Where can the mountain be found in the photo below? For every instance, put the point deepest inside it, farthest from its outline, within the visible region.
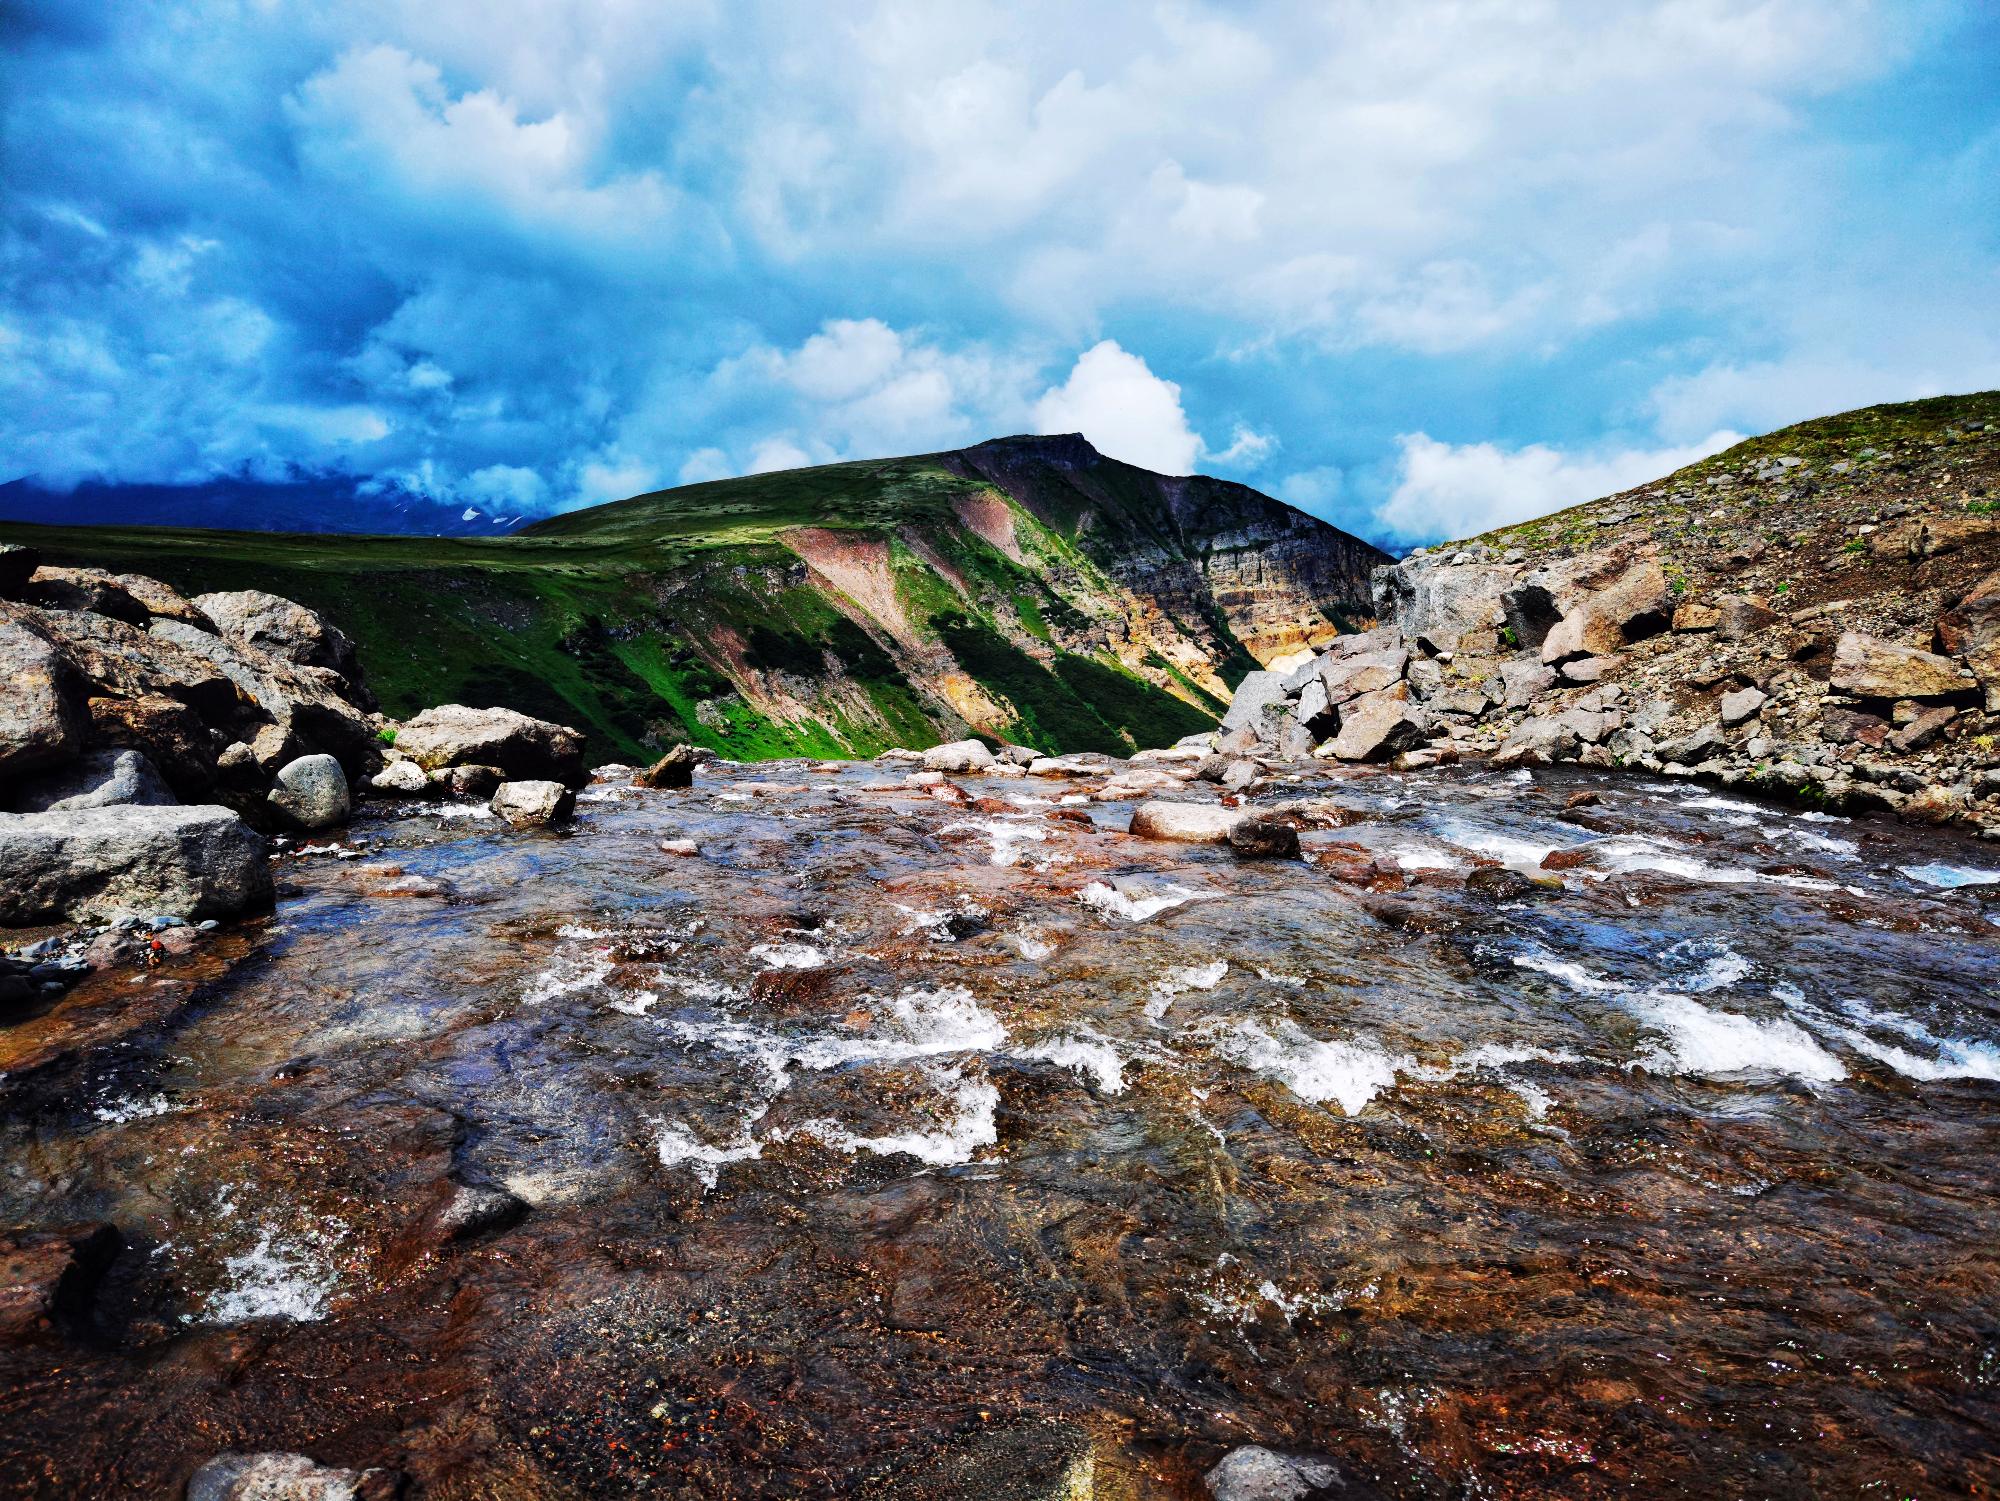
(1028, 588)
(324, 503)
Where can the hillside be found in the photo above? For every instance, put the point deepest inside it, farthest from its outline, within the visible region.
(1028, 588)
(1815, 612)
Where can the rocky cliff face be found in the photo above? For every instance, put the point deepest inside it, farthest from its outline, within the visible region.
(1815, 613)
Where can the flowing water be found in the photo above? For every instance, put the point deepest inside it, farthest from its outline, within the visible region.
(892, 1141)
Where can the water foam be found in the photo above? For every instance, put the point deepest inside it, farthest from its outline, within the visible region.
(973, 1125)
(1136, 904)
(1948, 877)
(1179, 981)
(1088, 1053)
(1350, 1074)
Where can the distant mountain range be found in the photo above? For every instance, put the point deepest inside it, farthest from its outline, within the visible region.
(326, 504)
(1029, 588)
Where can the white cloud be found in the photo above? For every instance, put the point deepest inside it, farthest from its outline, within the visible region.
(1125, 410)
(1314, 490)
(777, 453)
(1458, 490)
(706, 464)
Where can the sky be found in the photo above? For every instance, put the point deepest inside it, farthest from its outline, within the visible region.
(1418, 266)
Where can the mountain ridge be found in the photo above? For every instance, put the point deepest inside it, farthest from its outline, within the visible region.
(1027, 588)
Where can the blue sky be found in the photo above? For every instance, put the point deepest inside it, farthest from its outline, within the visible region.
(1420, 266)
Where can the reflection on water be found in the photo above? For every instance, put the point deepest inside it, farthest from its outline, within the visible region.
(883, 1141)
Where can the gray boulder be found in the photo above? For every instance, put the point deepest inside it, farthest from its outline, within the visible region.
(1871, 668)
(1254, 1473)
(1741, 615)
(533, 804)
(1436, 606)
(100, 863)
(280, 628)
(312, 793)
(1258, 692)
(1539, 741)
(313, 704)
(85, 590)
(41, 717)
(97, 779)
(1523, 679)
(454, 735)
(1349, 677)
(1377, 726)
(1742, 705)
(966, 757)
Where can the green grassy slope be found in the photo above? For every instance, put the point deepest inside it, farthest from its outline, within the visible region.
(687, 615)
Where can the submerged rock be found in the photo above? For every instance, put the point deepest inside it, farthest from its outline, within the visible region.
(1254, 1473)
(99, 863)
(476, 1208)
(287, 1477)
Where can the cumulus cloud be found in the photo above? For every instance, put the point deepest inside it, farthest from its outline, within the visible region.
(1460, 489)
(1125, 410)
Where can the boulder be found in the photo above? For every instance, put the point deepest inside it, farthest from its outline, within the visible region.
(1018, 755)
(1742, 705)
(1868, 667)
(1523, 679)
(454, 735)
(100, 863)
(471, 781)
(98, 779)
(1436, 605)
(312, 793)
(286, 1477)
(1695, 747)
(167, 732)
(1539, 741)
(1923, 729)
(308, 702)
(964, 757)
(1970, 630)
(41, 711)
(1258, 692)
(401, 779)
(1843, 726)
(1314, 708)
(1695, 617)
(50, 1278)
(533, 804)
(1586, 669)
(1630, 603)
(281, 628)
(88, 590)
(1348, 677)
(163, 601)
(674, 769)
(1253, 1473)
(17, 566)
(1185, 823)
(1741, 615)
(1377, 726)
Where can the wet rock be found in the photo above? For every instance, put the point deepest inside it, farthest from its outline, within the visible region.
(1264, 839)
(519, 746)
(1871, 668)
(287, 1477)
(17, 566)
(1254, 1473)
(401, 778)
(1185, 823)
(1742, 615)
(1743, 705)
(533, 804)
(1934, 804)
(96, 863)
(280, 628)
(1502, 883)
(964, 757)
(97, 779)
(1030, 1461)
(682, 847)
(312, 793)
(41, 718)
(477, 1209)
(674, 769)
(1377, 726)
(48, 1279)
